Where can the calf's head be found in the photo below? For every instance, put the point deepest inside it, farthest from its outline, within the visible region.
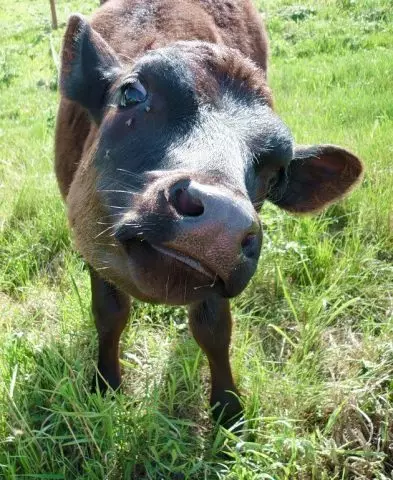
(184, 149)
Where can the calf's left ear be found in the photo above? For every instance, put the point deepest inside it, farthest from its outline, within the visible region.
(317, 176)
(87, 64)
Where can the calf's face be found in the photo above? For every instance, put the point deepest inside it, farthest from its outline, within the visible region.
(184, 148)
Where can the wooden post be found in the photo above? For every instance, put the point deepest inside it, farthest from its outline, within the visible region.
(54, 16)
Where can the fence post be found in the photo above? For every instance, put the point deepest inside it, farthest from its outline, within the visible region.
(54, 16)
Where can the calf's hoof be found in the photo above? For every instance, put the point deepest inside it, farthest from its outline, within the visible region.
(101, 384)
(227, 410)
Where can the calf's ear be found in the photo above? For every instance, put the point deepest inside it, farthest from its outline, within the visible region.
(88, 65)
(317, 176)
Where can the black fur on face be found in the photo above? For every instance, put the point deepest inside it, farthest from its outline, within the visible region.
(228, 136)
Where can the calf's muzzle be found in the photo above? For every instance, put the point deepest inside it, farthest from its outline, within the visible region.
(216, 231)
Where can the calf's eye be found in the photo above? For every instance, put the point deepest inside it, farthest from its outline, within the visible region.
(132, 94)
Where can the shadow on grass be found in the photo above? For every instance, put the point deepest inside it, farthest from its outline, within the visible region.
(57, 429)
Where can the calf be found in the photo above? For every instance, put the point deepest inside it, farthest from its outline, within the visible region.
(167, 146)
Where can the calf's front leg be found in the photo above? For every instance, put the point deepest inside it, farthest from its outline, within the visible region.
(111, 309)
(211, 326)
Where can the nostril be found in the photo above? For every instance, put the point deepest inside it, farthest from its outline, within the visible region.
(186, 204)
(250, 245)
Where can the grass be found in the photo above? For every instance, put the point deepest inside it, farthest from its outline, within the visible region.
(313, 346)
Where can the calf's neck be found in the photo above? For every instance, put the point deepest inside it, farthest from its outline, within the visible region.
(167, 146)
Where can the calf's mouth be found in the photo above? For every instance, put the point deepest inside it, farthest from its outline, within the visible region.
(167, 254)
(187, 260)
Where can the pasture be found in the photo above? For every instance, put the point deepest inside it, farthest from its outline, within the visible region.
(312, 350)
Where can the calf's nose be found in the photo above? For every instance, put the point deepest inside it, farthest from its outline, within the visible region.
(191, 199)
(218, 228)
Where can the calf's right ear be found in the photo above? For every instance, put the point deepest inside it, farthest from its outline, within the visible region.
(87, 65)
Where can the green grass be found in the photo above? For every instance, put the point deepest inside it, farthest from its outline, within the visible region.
(313, 344)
